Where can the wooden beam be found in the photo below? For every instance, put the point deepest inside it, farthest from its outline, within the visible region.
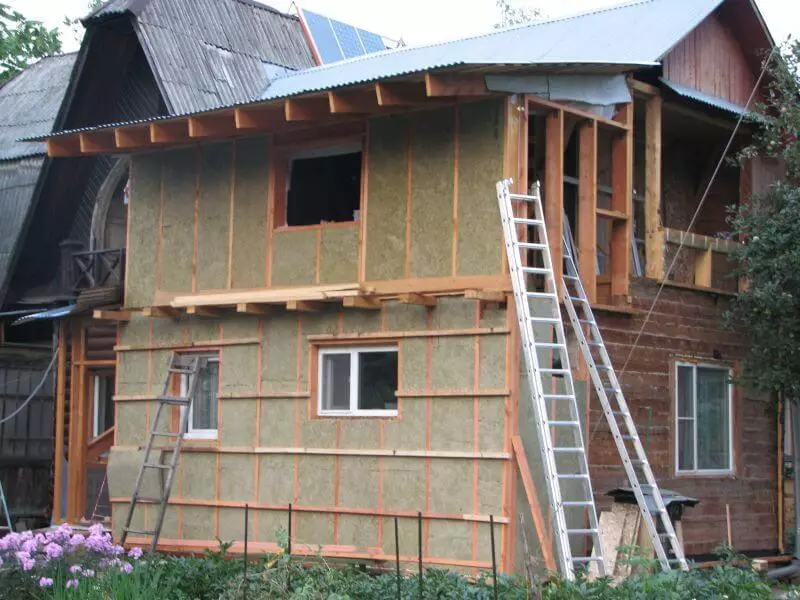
(304, 305)
(540, 524)
(622, 201)
(307, 109)
(587, 208)
(168, 132)
(554, 188)
(259, 118)
(204, 311)
(654, 235)
(65, 145)
(161, 312)
(212, 126)
(417, 299)
(401, 93)
(486, 296)
(112, 315)
(454, 84)
(254, 309)
(644, 88)
(703, 267)
(547, 106)
(353, 102)
(61, 402)
(614, 215)
(132, 137)
(98, 141)
(361, 302)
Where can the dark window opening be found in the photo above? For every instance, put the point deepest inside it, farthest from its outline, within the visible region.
(324, 189)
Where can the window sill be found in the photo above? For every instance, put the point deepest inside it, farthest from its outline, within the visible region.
(333, 225)
(705, 475)
(201, 436)
(376, 414)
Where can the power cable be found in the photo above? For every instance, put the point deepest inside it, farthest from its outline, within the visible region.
(35, 390)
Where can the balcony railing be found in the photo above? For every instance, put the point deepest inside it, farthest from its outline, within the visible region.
(98, 268)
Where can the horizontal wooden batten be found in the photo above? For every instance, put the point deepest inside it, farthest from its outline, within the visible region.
(187, 345)
(112, 315)
(391, 335)
(548, 106)
(453, 394)
(615, 215)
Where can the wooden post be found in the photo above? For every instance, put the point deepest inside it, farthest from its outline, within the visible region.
(554, 187)
(587, 208)
(622, 202)
(61, 398)
(654, 234)
(703, 269)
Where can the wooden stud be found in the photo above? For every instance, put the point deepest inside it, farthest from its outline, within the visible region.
(132, 137)
(587, 208)
(703, 269)
(304, 305)
(254, 309)
(203, 311)
(161, 312)
(61, 402)
(259, 118)
(99, 141)
(112, 315)
(547, 107)
(654, 237)
(353, 102)
(65, 145)
(622, 201)
(169, 132)
(614, 215)
(361, 302)
(306, 109)
(212, 126)
(454, 84)
(486, 296)
(400, 93)
(554, 188)
(644, 88)
(417, 299)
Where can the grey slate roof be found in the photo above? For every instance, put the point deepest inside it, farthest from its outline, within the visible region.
(29, 104)
(211, 53)
(618, 38)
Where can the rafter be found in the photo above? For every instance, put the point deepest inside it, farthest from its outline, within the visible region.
(132, 137)
(169, 132)
(63, 146)
(259, 118)
(353, 102)
(98, 141)
(204, 311)
(212, 126)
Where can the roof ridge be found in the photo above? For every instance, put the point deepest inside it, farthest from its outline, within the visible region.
(272, 9)
(498, 31)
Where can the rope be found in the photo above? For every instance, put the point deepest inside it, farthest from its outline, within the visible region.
(35, 390)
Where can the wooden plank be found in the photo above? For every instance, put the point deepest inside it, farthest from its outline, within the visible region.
(212, 126)
(486, 296)
(614, 215)
(654, 238)
(548, 106)
(307, 109)
(361, 302)
(61, 402)
(644, 88)
(187, 345)
(169, 132)
(254, 309)
(703, 269)
(259, 118)
(417, 299)
(204, 311)
(455, 84)
(554, 188)
(421, 333)
(64, 145)
(304, 305)
(542, 531)
(269, 296)
(401, 93)
(587, 208)
(161, 312)
(112, 315)
(622, 201)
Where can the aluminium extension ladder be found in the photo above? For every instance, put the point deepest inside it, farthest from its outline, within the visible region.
(608, 390)
(554, 404)
(182, 366)
(9, 526)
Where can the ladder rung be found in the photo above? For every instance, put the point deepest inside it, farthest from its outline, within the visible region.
(582, 531)
(554, 371)
(576, 299)
(572, 476)
(149, 499)
(540, 295)
(544, 320)
(527, 221)
(570, 278)
(156, 466)
(139, 531)
(532, 245)
(536, 270)
(578, 503)
(557, 396)
(548, 345)
(568, 450)
(178, 400)
(564, 423)
(585, 559)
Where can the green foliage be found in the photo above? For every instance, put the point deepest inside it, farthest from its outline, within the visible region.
(513, 15)
(22, 42)
(74, 24)
(768, 311)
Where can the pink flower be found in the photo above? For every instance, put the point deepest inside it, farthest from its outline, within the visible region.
(76, 541)
(97, 529)
(88, 573)
(72, 583)
(126, 567)
(135, 553)
(53, 550)
(28, 564)
(45, 582)
(75, 569)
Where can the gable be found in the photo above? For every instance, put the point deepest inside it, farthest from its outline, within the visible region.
(715, 60)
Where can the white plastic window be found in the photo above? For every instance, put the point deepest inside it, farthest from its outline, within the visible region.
(202, 423)
(358, 381)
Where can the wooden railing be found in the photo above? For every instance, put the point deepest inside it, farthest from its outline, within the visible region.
(98, 268)
(703, 261)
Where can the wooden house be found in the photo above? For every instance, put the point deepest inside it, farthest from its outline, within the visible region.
(333, 247)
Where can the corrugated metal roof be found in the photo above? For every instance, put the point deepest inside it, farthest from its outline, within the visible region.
(29, 104)
(53, 313)
(211, 53)
(620, 37)
(698, 96)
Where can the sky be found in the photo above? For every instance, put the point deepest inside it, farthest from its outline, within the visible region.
(415, 21)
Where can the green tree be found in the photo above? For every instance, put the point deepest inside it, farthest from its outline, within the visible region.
(74, 24)
(768, 311)
(515, 15)
(23, 41)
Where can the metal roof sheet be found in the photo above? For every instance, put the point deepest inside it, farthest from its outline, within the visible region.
(53, 313)
(698, 96)
(29, 104)
(623, 37)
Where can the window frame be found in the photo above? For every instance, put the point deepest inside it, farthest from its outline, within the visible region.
(731, 420)
(283, 156)
(199, 434)
(352, 351)
(96, 433)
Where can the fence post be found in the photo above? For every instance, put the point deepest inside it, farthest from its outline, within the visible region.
(397, 558)
(419, 553)
(494, 559)
(246, 524)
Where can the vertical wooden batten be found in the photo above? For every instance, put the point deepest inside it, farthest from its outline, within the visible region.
(654, 234)
(61, 401)
(587, 208)
(554, 187)
(622, 202)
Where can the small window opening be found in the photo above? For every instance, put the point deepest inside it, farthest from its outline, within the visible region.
(324, 186)
(358, 381)
(202, 422)
(103, 417)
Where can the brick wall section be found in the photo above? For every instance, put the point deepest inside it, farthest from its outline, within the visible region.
(687, 324)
